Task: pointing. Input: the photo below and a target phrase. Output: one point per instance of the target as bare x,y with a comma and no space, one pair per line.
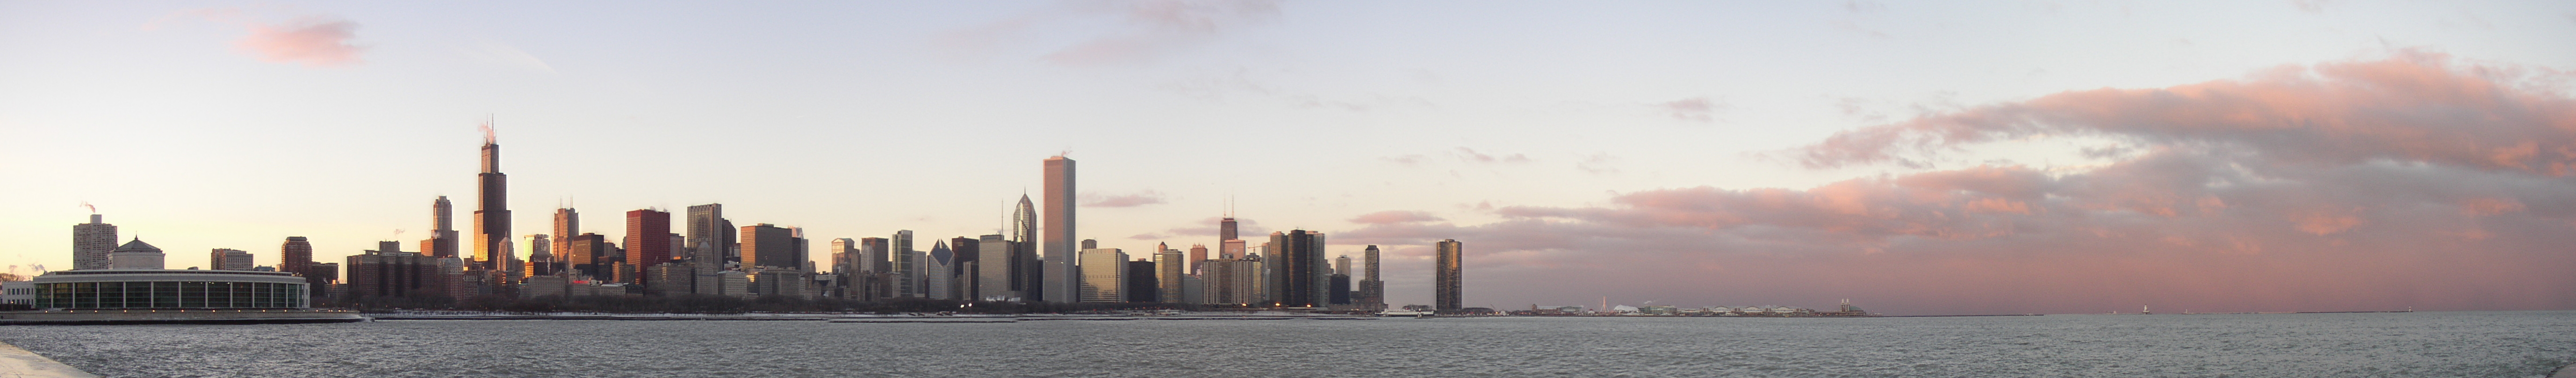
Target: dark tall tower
491,210
1225,229
1372,291
442,240
1058,246
648,239
1297,261
1445,277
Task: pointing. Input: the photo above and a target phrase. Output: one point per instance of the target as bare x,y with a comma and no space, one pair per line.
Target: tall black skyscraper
1296,264
491,211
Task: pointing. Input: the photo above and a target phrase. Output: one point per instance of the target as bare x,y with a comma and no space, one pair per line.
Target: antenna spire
488,137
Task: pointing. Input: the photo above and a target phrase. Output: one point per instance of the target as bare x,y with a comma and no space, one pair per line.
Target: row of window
170,294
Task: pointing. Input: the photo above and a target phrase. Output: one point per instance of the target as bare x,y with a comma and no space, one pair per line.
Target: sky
1914,157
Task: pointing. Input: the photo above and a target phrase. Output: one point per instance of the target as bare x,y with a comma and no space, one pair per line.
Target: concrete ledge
90,317
16,362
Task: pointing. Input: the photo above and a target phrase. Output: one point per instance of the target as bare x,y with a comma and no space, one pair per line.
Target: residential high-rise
907,277
491,211
1104,275
1342,264
229,259
993,275
648,240
1027,276
1372,291
1234,281
765,245
1167,274
567,224
1298,276
442,241
1445,276
296,256
91,243
1058,245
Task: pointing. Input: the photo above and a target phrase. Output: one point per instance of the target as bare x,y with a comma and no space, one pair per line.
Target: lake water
2423,344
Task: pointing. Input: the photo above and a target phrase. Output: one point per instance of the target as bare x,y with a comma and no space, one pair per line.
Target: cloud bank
2416,181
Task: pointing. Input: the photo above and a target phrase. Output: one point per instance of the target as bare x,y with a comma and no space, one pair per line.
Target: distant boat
1405,313
2142,310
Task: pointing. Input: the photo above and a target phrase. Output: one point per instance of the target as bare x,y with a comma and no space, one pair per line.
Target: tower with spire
491,208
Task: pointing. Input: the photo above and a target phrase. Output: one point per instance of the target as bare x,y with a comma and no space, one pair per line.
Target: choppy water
2428,344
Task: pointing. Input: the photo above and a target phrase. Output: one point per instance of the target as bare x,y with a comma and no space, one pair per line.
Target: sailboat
2142,310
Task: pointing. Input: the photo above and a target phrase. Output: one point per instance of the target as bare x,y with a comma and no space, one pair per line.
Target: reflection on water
2424,344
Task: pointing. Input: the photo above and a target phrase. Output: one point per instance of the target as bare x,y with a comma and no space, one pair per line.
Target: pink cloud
1140,198
1139,30
2333,113
1395,216
311,41
1697,109
314,41
2376,185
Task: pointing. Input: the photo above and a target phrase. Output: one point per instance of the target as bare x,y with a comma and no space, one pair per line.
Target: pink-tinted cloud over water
2415,181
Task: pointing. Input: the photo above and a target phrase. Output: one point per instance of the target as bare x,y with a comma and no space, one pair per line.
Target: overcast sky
1917,158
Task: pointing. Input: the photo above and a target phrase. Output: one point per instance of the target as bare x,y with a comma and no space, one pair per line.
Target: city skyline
1962,158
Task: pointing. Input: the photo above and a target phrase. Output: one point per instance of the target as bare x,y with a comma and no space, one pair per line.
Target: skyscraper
961,267
1198,255
229,259
491,211
567,224
1298,274
993,274
541,256
711,237
1061,279
1372,291
588,256
1142,286
91,243
937,283
442,239
769,246
296,256
1445,277
648,240
1026,271
1167,276
1104,275
907,276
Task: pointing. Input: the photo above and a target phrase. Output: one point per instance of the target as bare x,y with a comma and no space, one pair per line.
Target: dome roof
137,245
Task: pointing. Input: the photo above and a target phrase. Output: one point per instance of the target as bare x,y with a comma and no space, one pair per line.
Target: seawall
16,362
